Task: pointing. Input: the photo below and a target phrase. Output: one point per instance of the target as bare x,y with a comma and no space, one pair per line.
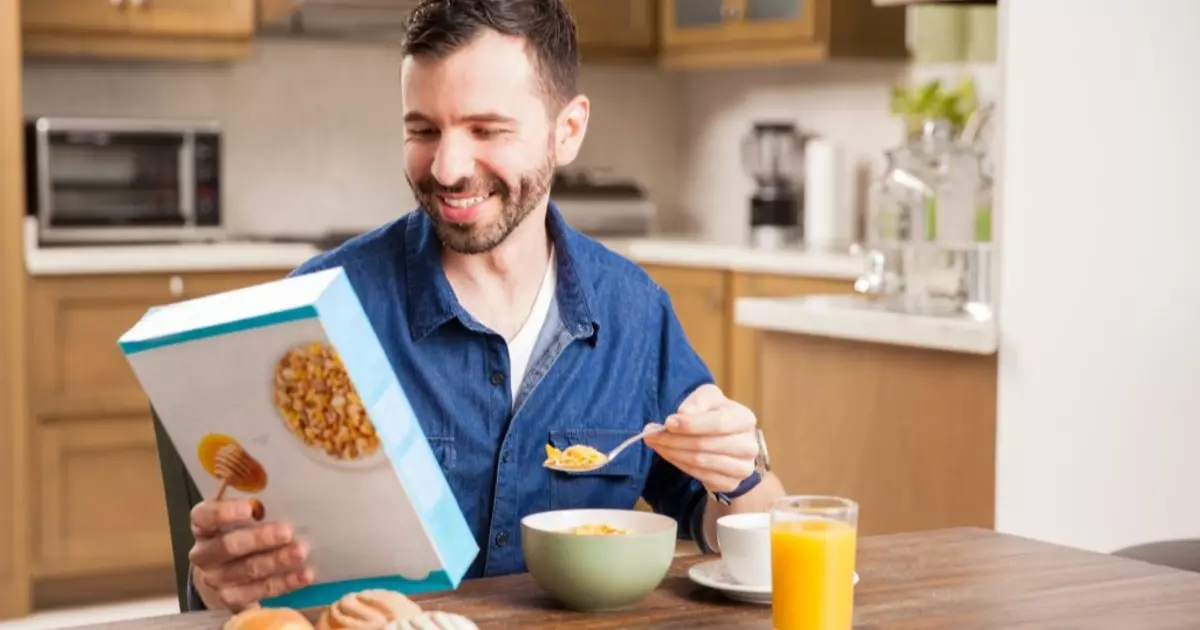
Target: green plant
931,100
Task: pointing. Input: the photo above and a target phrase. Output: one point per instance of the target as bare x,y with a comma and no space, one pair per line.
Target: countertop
237,255
856,318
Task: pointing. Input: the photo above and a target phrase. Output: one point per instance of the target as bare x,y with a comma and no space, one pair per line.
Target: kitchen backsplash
314,130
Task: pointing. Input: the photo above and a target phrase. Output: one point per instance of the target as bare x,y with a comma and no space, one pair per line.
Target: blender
773,154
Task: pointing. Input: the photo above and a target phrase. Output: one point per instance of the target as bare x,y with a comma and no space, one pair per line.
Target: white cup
745,542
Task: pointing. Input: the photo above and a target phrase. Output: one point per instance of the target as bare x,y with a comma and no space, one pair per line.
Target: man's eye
487,132
422,131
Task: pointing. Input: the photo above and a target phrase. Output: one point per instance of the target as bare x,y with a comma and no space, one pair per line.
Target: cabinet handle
176,286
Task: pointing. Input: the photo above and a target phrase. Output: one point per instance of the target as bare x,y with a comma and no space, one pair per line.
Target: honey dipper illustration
228,461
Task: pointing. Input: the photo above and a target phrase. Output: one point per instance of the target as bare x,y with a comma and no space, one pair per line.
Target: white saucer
714,575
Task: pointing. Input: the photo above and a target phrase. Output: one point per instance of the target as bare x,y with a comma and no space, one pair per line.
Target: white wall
1099,412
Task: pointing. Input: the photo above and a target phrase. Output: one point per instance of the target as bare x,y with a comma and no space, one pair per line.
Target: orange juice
812,574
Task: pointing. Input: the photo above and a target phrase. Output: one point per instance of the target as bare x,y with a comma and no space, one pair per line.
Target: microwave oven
107,180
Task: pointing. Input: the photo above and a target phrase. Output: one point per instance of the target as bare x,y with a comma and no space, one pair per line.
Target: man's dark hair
437,28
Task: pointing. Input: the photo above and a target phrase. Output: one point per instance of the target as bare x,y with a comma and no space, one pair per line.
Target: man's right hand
237,561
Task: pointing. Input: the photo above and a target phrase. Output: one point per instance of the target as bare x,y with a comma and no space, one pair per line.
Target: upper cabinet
140,29
730,33
948,33
611,30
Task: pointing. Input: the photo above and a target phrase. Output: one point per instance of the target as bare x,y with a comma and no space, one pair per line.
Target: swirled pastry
434,620
367,610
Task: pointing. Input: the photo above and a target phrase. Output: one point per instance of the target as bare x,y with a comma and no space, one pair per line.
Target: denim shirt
610,358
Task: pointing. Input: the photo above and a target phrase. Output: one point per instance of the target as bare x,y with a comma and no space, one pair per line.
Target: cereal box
282,392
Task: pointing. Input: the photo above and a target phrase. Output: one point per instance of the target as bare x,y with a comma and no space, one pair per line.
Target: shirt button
501,539
506,457
497,378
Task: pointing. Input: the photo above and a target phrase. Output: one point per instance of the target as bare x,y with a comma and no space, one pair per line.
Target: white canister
825,223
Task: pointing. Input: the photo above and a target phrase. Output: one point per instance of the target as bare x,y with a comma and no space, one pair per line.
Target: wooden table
956,579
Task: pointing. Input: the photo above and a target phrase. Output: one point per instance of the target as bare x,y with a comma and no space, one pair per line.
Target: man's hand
237,562
711,438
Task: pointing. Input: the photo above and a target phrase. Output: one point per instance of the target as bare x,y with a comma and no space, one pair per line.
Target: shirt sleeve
678,371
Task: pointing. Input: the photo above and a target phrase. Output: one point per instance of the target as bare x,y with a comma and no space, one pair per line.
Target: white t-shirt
520,347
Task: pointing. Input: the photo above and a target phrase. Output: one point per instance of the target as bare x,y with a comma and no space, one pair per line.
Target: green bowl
598,572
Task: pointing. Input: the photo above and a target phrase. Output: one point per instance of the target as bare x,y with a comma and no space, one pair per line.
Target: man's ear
570,128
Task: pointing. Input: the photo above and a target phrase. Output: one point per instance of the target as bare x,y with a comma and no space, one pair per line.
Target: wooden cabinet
726,33
139,29
97,509
611,30
702,305
704,300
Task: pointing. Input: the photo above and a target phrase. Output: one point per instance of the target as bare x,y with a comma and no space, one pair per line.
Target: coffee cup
745,542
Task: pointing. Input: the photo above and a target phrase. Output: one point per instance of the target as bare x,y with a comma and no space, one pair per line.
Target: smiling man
511,330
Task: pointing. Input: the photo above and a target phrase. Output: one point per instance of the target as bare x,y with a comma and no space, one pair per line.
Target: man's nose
454,160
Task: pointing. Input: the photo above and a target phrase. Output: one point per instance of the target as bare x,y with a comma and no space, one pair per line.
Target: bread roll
367,610
434,620
268,619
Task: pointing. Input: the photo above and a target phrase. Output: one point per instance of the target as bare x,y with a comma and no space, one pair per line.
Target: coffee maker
773,154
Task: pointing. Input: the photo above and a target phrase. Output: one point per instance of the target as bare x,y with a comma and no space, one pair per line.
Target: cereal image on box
283,391
225,459
314,395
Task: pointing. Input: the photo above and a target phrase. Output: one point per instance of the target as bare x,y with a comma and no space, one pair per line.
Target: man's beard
478,238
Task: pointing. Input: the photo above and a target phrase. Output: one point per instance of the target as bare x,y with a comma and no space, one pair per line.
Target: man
510,329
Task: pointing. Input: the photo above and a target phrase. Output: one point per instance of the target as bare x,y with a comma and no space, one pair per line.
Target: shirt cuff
194,602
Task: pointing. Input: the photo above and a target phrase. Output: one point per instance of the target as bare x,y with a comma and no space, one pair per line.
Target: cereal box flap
262,304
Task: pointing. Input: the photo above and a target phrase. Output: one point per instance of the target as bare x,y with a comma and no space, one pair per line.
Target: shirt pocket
616,485
443,449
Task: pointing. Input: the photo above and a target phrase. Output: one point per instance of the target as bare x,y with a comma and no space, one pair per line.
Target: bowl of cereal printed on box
320,407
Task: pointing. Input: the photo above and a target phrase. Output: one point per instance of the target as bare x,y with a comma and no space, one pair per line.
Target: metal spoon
650,429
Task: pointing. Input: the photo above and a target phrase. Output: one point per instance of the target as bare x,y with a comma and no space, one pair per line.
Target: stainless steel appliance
603,207
773,154
104,180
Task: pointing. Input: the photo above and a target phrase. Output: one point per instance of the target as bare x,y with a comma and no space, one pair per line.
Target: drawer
98,498
77,366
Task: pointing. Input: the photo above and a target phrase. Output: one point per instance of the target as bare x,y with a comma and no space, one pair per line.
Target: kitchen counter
854,318
678,250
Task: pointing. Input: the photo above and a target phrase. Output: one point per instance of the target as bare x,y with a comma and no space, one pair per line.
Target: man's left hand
711,438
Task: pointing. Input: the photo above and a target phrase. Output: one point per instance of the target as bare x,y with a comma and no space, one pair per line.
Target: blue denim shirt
611,358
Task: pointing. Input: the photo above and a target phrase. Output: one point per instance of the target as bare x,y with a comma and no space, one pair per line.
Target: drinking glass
813,545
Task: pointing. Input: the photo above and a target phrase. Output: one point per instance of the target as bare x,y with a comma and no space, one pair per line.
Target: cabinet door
84,16
98,497
765,20
201,18
699,299
690,22
615,25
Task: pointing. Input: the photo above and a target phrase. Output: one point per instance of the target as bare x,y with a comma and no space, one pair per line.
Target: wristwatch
762,465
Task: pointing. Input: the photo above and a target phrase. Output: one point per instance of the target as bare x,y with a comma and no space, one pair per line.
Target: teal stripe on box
261,321
325,594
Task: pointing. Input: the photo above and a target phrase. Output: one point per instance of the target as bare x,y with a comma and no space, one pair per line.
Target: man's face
480,144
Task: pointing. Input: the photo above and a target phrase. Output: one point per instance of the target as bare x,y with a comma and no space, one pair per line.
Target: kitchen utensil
595,572
650,429
773,154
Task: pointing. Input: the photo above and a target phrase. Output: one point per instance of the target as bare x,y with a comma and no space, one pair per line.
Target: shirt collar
431,301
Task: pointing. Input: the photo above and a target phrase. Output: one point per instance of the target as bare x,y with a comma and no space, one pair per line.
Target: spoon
650,429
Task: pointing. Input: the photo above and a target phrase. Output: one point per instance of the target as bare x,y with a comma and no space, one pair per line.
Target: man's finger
260,566
723,421
703,398
741,445
217,550
710,480
239,596
210,518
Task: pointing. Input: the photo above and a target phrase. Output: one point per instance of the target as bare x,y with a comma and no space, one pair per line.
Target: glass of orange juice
813,545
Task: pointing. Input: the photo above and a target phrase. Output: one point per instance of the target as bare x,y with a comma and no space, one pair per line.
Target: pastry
434,620
367,610
268,619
